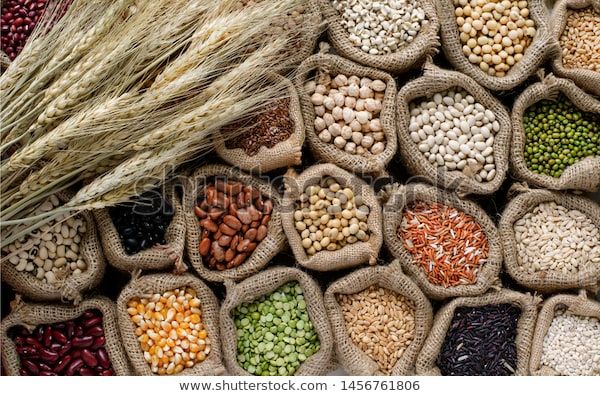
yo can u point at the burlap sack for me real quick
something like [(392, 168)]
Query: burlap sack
[(352, 358), (426, 361), (582, 175), (281, 155), (576, 305), (424, 44), (159, 283), (327, 152), (541, 47), (309, 32), (589, 80), (156, 257), (350, 255), (267, 282), (545, 281), (32, 315), (436, 80), (273, 243), (398, 197), (74, 286)]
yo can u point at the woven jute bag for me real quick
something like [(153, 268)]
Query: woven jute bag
[(350, 356), (281, 155), (350, 255), (541, 47), (582, 175), (146, 286), (32, 315), (264, 283), (153, 258), (72, 287), (436, 80), (308, 34), (589, 80), (523, 201), (397, 197), (579, 305), (427, 359), (273, 243), (425, 43), (323, 64)]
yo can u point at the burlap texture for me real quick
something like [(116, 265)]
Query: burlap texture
[(309, 32), (541, 47), (273, 243), (74, 286), (545, 281), (398, 197), (582, 175), (426, 361), (153, 258), (328, 152), (350, 255), (424, 44), (577, 305), (32, 315), (283, 154), (147, 285), (350, 356), (589, 80), (266, 282), (436, 80)]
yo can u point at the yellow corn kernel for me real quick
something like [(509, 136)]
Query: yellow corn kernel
[(178, 368), (202, 334), (194, 348), (201, 356)]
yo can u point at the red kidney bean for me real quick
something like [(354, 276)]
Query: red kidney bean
[(62, 364), (43, 367), (30, 366), (65, 349), (89, 358), (74, 366), (33, 342), (93, 321), (48, 356), (107, 372), (98, 343), (78, 331), (47, 339), (95, 331), (23, 372), (86, 371), (47, 373), (83, 341), (60, 337), (103, 359), (70, 329), (27, 351)]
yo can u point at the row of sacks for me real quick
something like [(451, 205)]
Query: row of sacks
[(336, 347)]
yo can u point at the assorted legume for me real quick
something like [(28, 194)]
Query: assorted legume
[(275, 333), (381, 27), (481, 341), (380, 322), (558, 134), (53, 252), (494, 34), (331, 217), (454, 131), (74, 347), (170, 330), (580, 40), (448, 244), (553, 238), (572, 345), (347, 112), (234, 219)]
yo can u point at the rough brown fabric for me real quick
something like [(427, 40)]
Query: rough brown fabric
[(398, 197), (283, 154), (327, 152), (159, 283), (424, 44), (32, 315), (541, 47), (582, 175), (74, 286), (589, 80), (267, 282), (577, 305), (352, 358), (436, 80), (350, 255), (311, 29), (544, 281), (426, 361), (273, 243), (149, 259)]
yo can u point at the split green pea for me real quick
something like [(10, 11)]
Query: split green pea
[(274, 333)]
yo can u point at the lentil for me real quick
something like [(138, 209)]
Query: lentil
[(481, 341), (170, 330), (580, 40), (275, 334), (380, 322), (557, 135)]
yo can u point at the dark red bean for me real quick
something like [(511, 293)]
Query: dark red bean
[(62, 365), (103, 359), (44, 367), (70, 329), (47, 338), (60, 337), (65, 349), (107, 372), (33, 342), (83, 342), (95, 331), (48, 356), (47, 373), (30, 366), (94, 321), (27, 351), (78, 331), (89, 358), (98, 343), (85, 371), (23, 372), (74, 367)]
